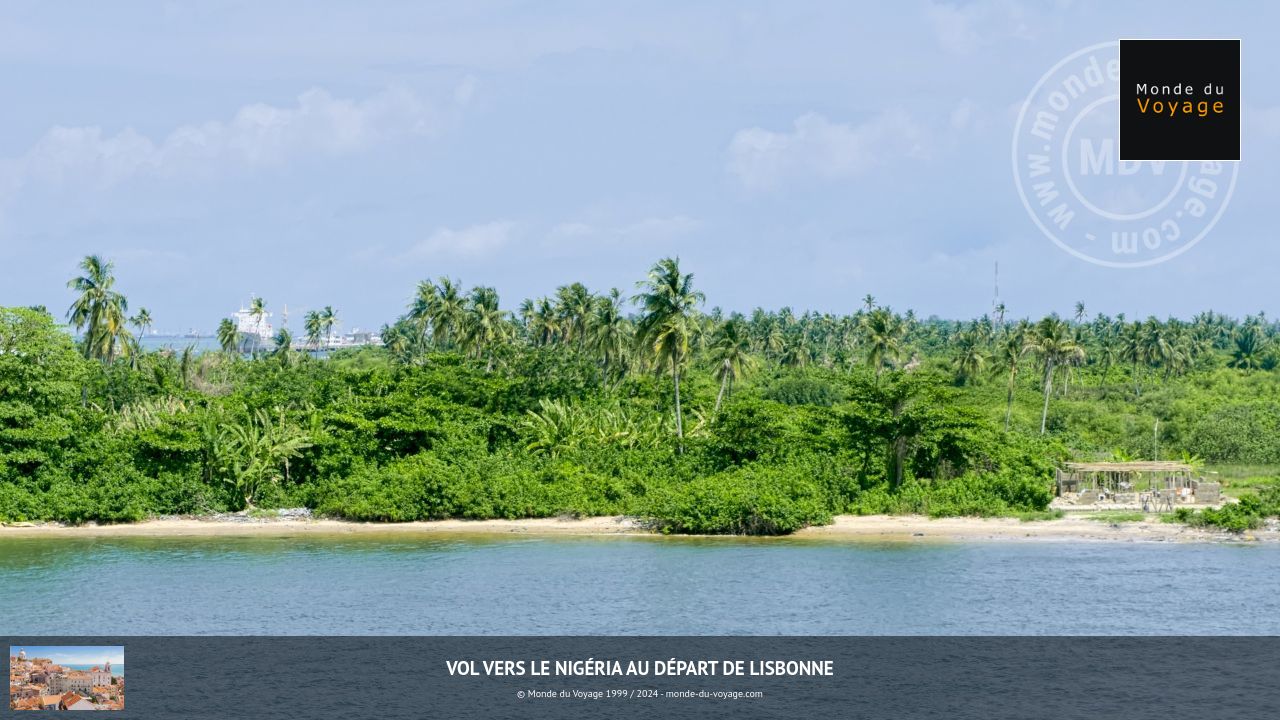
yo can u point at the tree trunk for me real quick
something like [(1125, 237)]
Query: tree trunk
[(675, 374), (897, 448), (899, 460), (724, 382), (1048, 390), (1008, 412)]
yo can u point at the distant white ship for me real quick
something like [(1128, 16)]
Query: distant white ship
[(355, 338), (257, 331), (255, 328)]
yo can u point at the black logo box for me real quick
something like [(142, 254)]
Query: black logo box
[(1186, 67)]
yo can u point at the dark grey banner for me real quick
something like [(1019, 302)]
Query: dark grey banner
[(689, 677)]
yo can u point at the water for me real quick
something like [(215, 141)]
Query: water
[(627, 585), (178, 344), (116, 668)]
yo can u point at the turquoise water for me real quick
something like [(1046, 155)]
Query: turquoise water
[(626, 585)]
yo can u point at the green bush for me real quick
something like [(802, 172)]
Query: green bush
[(414, 488), (1248, 514), (978, 494), (805, 391), (427, 487), (742, 501)]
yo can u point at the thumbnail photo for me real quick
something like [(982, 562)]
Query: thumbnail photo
[(66, 677)]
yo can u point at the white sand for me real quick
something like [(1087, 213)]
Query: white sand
[(911, 528)]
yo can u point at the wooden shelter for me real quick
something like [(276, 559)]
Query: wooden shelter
[(1124, 481)]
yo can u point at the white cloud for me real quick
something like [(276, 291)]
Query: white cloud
[(257, 135), (817, 147), (476, 241)]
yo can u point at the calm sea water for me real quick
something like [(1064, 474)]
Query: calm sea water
[(178, 344), (393, 585)]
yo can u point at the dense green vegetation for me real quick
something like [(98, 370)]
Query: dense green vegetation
[(586, 404), (1248, 514)]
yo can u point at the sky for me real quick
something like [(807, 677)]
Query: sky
[(74, 654), (791, 154)]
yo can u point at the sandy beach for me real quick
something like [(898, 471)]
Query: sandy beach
[(872, 528)]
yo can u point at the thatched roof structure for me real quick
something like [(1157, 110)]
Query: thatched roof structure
[(1142, 466)]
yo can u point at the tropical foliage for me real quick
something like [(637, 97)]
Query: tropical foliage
[(584, 402)]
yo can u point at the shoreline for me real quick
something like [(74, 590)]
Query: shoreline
[(851, 528)]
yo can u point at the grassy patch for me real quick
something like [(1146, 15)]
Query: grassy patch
[(1038, 515), (1240, 480), (1117, 516)]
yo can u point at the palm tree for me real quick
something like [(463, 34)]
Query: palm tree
[(257, 452), (485, 324), (99, 310), (668, 304), (421, 309), (1158, 343), (1052, 341), (883, 333), (970, 360), (1080, 311), (228, 336), (258, 311), (608, 330), (283, 350), (1134, 349), (730, 353), (328, 319), (142, 321), (541, 322), (1251, 348), (396, 340), (448, 313), (794, 353), (185, 363), (574, 304), (1011, 350), (313, 325), (1108, 350)]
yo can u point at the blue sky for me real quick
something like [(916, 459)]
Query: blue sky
[(800, 154), (74, 654)]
